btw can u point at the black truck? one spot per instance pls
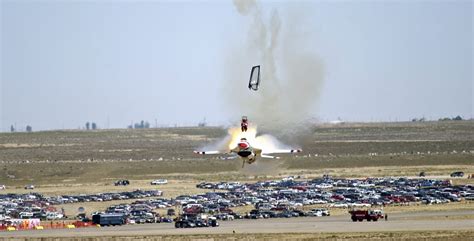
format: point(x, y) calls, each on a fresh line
point(183, 222)
point(108, 219)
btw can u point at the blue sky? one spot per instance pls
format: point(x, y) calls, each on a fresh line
point(64, 63)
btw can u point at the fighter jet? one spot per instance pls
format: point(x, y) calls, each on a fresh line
point(247, 153)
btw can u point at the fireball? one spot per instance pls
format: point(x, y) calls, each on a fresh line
point(267, 143)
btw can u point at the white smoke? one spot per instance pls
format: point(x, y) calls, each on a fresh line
point(265, 142)
point(291, 75)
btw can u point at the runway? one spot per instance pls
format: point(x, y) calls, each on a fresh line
point(414, 221)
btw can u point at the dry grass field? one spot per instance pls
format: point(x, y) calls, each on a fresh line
point(77, 157)
point(75, 162)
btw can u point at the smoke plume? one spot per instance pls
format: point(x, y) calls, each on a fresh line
point(291, 75)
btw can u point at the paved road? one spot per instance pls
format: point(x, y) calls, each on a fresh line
point(422, 221)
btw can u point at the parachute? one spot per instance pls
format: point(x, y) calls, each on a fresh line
point(254, 81)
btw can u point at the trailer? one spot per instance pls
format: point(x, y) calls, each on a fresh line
point(108, 219)
point(369, 215)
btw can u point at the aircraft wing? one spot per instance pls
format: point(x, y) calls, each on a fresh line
point(231, 157)
point(271, 157)
point(209, 152)
point(282, 151)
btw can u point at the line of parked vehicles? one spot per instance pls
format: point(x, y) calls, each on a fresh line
point(286, 198)
point(138, 212)
point(342, 193)
point(38, 206)
point(196, 221)
point(125, 182)
point(283, 198)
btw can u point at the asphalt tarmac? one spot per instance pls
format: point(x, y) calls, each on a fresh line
point(413, 221)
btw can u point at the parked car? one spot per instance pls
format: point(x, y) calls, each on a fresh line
point(159, 182)
point(184, 224)
point(270, 214)
point(339, 205)
point(285, 214)
point(30, 187)
point(201, 223)
point(171, 212)
point(26, 215)
point(318, 212)
point(122, 183)
point(255, 214)
point(212, 222)
point(237, 216)
point(225, 216)
point(166, 220)
point(470, 197)
point(54, 215)
point(457, 174)
point(300, 213)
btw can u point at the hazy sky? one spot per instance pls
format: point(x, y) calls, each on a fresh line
point(64, 63)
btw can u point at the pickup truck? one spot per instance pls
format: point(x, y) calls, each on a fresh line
point(369, 215)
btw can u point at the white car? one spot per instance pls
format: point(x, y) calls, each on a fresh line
point(26, 215)
point(54, 215)
point(314, 214)
point(2, 187)
point(159, 182)
point(324, 186)
point(470, 197)
point(360, 205)
point(366, 185)
point(338, 205)
point(319, 212)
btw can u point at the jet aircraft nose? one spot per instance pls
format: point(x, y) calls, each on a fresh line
point(243, 145)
